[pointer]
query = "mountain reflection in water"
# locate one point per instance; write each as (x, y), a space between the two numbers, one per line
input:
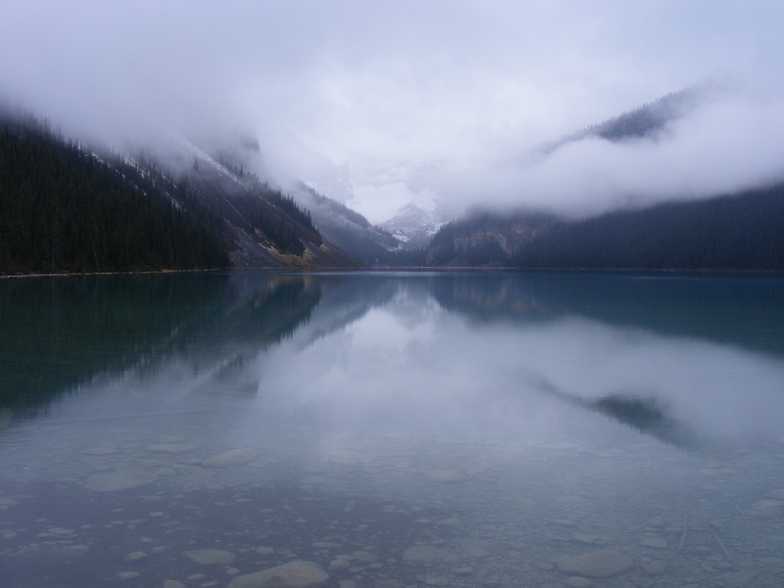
(60, 334)
(391, 429)
(643, 413)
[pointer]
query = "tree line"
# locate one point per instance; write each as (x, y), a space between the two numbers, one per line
(65, 209)
(737, 232)
(743, 232)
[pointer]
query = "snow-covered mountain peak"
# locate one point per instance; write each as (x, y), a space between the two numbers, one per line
(415, 226)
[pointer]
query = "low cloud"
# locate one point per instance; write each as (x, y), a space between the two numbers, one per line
(470, 86)
(731, 142)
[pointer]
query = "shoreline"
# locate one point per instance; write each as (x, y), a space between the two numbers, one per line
(124, 273)
(442, 269)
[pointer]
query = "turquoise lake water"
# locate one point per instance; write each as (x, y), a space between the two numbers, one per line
(382, 430)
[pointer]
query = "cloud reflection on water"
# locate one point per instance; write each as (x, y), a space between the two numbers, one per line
(413, 363)
(377, 412)
(524, 357)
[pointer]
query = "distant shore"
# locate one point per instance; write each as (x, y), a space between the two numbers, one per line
(494, 269)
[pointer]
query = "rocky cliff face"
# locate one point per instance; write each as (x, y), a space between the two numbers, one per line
(344, 227)
(485, 240)
(413, 226)
(508, 237)
(247, 207)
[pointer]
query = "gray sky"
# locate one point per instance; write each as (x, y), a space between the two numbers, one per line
(470, 85)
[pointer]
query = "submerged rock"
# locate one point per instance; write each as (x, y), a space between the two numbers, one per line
(121, 479)
(444, 476)
(766, 508)
(135, 556)
(738, 579)
(598, 564)
(295, 574)
(579, 582)
(7, 502)
(171, 447)
(102, 450)
(230, 458)
(211, 556)
(656, 567)
(52, 552)
(427, 554)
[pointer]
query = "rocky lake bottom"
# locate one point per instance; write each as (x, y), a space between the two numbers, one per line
(385, 509)
(379, 430)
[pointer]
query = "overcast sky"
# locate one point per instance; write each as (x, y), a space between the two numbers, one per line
(470, 85)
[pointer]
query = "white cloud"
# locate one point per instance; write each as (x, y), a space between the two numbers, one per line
(730, 143)
(472, 83)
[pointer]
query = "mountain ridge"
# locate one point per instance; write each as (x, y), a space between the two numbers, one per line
(731, 232)
(69, 209)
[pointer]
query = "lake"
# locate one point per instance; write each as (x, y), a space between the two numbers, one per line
(382, 430)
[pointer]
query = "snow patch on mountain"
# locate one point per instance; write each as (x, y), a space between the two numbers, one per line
(415, 226)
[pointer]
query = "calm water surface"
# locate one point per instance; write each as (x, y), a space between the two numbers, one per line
(392, 430)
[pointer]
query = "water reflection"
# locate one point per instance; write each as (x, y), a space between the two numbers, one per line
(412, 429)
(58, 334)
(646, 414)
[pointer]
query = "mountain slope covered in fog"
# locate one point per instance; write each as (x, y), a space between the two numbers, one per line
(346, 228)
(730, 232)
(264, 227)
(67, 209)
(646, 121)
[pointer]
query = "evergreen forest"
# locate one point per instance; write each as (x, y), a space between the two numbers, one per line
(736, 232)
(66, 209)
(283, 234)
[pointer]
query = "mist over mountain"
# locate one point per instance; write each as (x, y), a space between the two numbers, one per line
(346, 228)
(415, 226)
(253, 223)
(392, 109)
(649, 121)
(67, 208)
(267, 228)
(737, 230)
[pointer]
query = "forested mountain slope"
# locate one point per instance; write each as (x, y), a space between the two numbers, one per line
(644, 122)
(742, 232)
(67, 209)
(734, 232)
(348, 229)
(265, 228)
